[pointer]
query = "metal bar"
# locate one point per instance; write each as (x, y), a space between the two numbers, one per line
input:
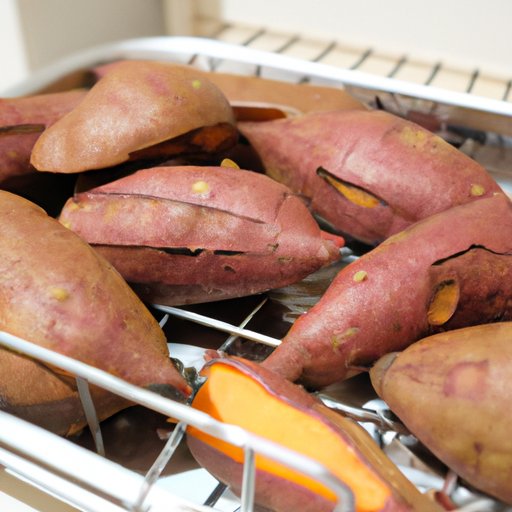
(90, 414)
(215, 495)
(361, 59)
(472, 80)
(248, 481)
(219, 325)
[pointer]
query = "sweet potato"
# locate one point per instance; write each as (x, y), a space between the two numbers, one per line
(56, 291)
(138, 110)
(451, 390)
(195, 234)
(368, 173)
(243, 393)
(22, 120)
(450, 270)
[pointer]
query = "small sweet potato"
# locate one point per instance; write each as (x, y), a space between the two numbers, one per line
(450, 270)
(56, 291)
(451, 390)
(368, 173)
(138, 110)
(243, 393)
(195, 234)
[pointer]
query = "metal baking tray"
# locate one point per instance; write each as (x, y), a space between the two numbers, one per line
(136, 461)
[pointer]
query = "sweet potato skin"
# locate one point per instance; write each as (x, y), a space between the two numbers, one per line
(136, 105)
(87, 312)
(409, 172)
(201, 233)
(380, 303)
(451, 391)
(279, 494)
(22, 120)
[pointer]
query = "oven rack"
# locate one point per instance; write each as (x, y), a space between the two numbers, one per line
(24, 447)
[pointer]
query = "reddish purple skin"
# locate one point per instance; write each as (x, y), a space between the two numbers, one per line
(42, 110)
(357, 321)
(413, 172)
(269, 236)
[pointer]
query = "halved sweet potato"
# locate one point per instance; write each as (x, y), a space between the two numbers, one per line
(243, 393)
(195, 234)
(368, 173)
(450, 270)
(451, 390)
(136, 106)
(56, 291)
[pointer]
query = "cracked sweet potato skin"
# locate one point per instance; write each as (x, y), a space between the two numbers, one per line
(56, 291)
(195, 234)
(22, 121)
(277, 493)
(136, 105)
(451, 390)
(381, 302)
(409, 172)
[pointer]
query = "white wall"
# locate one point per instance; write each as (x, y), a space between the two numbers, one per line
(34, 33)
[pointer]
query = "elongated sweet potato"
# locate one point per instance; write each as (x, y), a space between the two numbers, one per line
(368, 173)
(451, 390)
(196, 234)
(138, 110)
(450, 270)
(245, 394)
(56, 291)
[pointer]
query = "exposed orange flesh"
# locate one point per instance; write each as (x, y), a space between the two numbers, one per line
(354, 194)
(443, 303)
(233, 397)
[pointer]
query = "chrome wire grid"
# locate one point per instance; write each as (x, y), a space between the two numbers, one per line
(50, 462)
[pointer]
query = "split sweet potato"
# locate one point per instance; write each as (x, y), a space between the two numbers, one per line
(56, 291)
(138, 110)
(243, 393)
(368, 173)
(451, 270)
(190, 234)
(451, 390)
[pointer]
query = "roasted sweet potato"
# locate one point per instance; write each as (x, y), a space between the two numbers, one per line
(243, 393)
(56, 291)
(195, 234)
(451, 390)
(138, 110)
(450, 270)
(22, 120)
(368, 173)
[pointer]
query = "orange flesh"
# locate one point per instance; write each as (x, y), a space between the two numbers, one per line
(353, 194)
(444, 303)
(233, 397)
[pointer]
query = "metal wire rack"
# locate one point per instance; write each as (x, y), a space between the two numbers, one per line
(101, 484)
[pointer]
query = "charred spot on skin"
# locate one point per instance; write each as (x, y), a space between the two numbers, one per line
(230, 269)
(444, 302)
(272, 247)
(356, 195)
(338, 339)
(396, 326)
(21, 129)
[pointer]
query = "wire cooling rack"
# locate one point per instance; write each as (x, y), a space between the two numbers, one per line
(101, 484)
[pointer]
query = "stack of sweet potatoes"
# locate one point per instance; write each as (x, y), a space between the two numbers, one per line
(139, 170)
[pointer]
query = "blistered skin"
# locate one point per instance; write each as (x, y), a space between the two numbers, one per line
(451, 390)
(391, 172)
(56, 291)
(201, 233)
(136, 105)
(392, 296)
